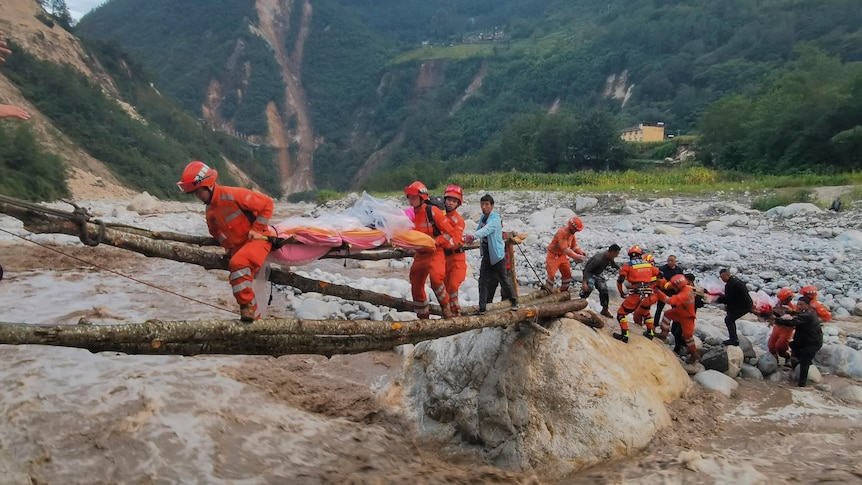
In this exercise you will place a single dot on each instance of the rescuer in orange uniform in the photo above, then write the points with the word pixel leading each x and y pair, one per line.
pixel 429 262
pixel 642 312
pixel 238 219
pixel 779 339
pixel 811 292
pixel 456 260
pixel 640 276
pixel 683 312
pixel 563 247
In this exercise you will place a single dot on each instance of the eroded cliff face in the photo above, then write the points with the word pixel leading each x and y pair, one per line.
pixel 295 147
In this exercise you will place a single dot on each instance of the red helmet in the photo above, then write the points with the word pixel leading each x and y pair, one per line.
pixel 417 188
pixel 576 224
pixel 456 192
pixel 784 295
pixel 679 281
pixel 197 174
pixel 635 251
pixel 649 259
pixel 809 291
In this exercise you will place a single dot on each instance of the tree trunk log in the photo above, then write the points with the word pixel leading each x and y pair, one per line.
pixel 266 337
pixel 141 241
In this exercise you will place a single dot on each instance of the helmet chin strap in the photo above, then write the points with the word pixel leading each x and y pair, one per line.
pixel 210 198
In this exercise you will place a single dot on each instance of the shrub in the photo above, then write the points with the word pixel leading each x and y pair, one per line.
pixel 787 197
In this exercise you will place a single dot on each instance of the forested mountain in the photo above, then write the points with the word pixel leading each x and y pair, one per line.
pixel 96 117
pixel 343 89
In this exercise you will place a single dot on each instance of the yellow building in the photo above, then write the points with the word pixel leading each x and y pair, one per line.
pixel 644 132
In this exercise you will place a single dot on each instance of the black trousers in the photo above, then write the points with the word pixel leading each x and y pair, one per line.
pixel 678 340
pixel 490 275
pixel 805 354
pixel 600 284
pixel 730 323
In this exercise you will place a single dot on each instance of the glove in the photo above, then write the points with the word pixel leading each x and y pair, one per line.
pixel 254 235
pixel 468 238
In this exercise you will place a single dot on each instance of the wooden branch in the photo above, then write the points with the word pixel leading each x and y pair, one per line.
pixel 266 337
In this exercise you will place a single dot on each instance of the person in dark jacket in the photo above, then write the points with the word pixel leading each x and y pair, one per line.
pixel 808 337
pixel 593 278
pixel 737 303
pixel 666 272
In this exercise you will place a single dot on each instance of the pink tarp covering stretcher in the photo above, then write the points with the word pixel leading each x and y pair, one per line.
pixel 370 223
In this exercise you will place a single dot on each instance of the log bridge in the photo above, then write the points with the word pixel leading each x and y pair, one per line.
pixel 273 336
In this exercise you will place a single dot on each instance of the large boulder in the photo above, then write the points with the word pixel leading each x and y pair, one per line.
pixel 716 381
pixel 727 360
pixel 840 360
pixel 554 405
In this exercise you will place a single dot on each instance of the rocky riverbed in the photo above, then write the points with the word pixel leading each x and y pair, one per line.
pixel 307 419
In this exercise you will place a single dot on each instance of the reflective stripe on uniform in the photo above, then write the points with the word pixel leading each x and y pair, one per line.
pixel 241 286
pixel 262 220
pixel 232 216
pixel 240 273
pixel 226 197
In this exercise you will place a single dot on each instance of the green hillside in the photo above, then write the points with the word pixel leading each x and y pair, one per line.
pixel 362 59
pixel 145 155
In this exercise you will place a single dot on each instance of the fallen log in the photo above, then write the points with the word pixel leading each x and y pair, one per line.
pixel 267 337
pixel 141 241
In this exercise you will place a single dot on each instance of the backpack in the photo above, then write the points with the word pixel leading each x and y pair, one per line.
pixel 436 201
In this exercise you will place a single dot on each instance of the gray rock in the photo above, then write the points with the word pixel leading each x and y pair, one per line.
pixel 814 375
pixel 624 225
pixel 840 360
pixel 750 372
pixel 716 381
pixel 852 238
pixel 746 347
pixel 734 360
pixel 585 203
pixel 767 364
pixel 499 394
pixel 715 226
pixel 715 359
pixel 668 230
pixel 850 393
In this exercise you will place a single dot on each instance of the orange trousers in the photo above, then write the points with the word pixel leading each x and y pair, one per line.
pixel 642 312
pixel 685 322
pixel 244 265
pixel 554 263
pixel 779 339
pixel 428 264
pixel 640 307
pixel 456 273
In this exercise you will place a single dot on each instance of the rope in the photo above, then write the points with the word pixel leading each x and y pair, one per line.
pixel 118 273
pixel 538 278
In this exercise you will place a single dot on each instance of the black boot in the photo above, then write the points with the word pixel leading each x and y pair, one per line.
pixel 623 337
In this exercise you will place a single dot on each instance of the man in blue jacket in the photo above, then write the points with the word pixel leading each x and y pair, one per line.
pixel 489 232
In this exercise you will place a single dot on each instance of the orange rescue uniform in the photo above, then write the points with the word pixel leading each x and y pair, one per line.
pixel 641 275
pixel 779 339
pixel 456 262
pixel 683 312
pixel 562 247
pixel 231 213
pixel 430 263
